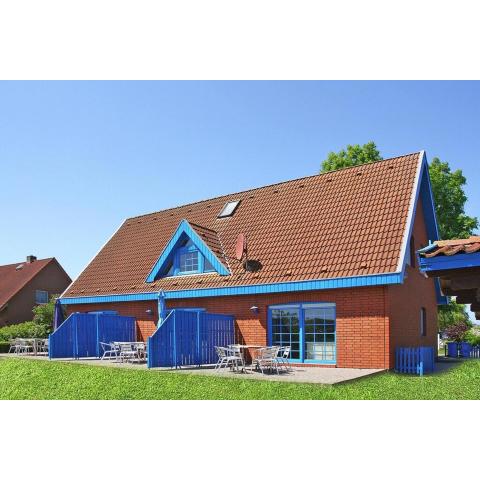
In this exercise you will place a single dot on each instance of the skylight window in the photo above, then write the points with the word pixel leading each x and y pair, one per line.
pixel 229 209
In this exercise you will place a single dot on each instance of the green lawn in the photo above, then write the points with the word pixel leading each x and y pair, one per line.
pixel 34 379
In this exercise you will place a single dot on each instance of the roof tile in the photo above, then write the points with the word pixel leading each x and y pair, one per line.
pixel 337 224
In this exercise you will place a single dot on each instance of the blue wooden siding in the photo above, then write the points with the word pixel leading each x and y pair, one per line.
pixel 189 338
pixel 417 360
pixel 183 229
pixel 80 334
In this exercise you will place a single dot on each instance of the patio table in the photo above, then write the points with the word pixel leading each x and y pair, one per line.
pixel 34 342
pixel 139 347
pixel 247 347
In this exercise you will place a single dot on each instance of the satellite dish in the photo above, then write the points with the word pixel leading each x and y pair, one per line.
pixel 241 247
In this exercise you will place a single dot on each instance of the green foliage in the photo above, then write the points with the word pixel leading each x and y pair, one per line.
pixel 473 336
pixel 351 156
pixel 451 314
pixel 24 330
pixel 39 379
pixel 43 314
pixel 450 199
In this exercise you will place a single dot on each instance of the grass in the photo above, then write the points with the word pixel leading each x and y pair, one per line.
pixel 34 379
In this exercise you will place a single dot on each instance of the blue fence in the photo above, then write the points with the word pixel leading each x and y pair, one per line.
pixel 475 352
pixel 189 338
pixel 81 333
pixel 418 360
pixel 462 349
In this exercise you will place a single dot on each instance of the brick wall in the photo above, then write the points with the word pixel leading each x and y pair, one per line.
pixel 405 301
pixel 362 327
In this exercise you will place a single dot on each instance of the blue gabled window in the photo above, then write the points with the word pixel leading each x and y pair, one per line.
pixel 188 260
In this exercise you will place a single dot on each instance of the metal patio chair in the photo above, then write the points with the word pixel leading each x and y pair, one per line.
pixel 109 350
pixel 25 346
pixel 127 352
pixel 226 357
pixel 237 351
pixel 14 346
pixel 45 346
pixel 267 359
pixel 283 356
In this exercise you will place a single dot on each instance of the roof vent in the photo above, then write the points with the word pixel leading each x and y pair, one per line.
pixel 19 267
pixel 31 258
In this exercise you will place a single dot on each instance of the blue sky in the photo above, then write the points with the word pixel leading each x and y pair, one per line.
pixel 79 157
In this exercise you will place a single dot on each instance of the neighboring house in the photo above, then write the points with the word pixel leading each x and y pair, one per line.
pixel 456 263
pixel 24 285
pixel 331 271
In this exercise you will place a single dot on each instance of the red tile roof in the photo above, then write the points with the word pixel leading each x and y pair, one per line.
pixel 13 278
pixel 338 224
pixel 452 247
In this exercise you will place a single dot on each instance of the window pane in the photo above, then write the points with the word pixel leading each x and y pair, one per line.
pixel 189 262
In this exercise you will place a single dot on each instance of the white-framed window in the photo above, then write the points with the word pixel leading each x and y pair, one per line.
pixel 41 296
pixel 423 322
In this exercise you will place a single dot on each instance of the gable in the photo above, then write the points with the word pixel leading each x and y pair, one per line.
pixel 187 240
pixel 15 277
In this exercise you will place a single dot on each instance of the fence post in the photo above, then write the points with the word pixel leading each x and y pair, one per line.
pixel 174 340
pixel 75 337
pixel 198 339
pixel 97 346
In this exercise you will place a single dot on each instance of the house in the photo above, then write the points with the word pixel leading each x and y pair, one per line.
pixel 327 264
pixel 456 263
pixel 26 284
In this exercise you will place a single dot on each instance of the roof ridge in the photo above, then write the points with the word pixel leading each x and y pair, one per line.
pixel 271 185
pixel 28 279
pixel 25 262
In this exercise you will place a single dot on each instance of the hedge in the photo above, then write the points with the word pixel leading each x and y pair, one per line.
pixel 24 330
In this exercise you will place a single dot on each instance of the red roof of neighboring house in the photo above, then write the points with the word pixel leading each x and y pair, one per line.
pixel 343 223
pixel 452 247
pixel 13 278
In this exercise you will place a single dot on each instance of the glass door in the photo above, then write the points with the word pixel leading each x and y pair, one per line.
pixel 285 329
pixel 308 328
pixel 319 333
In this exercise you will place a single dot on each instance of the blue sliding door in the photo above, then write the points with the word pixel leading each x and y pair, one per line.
pixel 308 328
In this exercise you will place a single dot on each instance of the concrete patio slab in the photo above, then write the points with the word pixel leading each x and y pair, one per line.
pixel 319 375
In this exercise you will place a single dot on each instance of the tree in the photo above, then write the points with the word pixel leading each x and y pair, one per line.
pixel 451 314
pixel 457 331
pixel 450 199
pixel 351 156
pixel 43 314
pixel 448 193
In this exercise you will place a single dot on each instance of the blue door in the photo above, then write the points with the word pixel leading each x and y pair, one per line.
pixel 308 328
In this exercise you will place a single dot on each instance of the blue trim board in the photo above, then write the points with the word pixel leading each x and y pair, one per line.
pixel 185 229
pixel 424 191
pixel 463 260
pixel 324 284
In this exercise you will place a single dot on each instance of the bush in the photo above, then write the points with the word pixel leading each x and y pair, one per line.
pixel 43 314
pixel 473 336
pixel 4 347
pixel 23 330
pixel 457 331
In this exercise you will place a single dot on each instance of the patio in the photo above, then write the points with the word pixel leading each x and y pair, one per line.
pixel 314 375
